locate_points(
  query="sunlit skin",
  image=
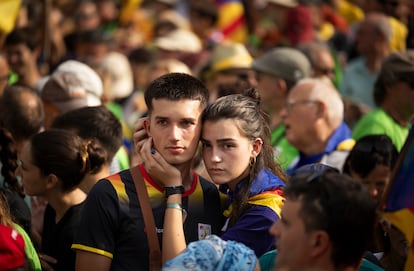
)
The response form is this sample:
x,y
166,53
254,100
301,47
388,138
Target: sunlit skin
x,y
175,129
226,152
375,181
293,242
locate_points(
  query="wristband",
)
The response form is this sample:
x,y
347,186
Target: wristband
x,y
174,205
172,190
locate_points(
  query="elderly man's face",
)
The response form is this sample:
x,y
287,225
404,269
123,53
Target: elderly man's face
x,y
299,116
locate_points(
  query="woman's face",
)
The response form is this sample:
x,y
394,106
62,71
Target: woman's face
x,y
375,181
226,152
34,182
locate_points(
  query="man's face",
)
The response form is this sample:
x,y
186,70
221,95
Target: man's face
x,y
403,95
19,56
293,243
325,65
299,117
269,92
175,128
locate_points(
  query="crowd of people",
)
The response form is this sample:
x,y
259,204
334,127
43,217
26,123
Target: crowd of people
x,y
202,134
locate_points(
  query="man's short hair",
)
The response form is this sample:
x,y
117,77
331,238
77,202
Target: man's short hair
x,y
174,87
93,122
25,35
338,205
327,94
21,112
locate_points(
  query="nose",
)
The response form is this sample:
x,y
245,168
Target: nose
x,y
373,191
275,229
13,57
283,113
215,155
175,133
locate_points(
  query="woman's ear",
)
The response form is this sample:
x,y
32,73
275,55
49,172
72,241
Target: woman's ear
x,y
52,181
257,146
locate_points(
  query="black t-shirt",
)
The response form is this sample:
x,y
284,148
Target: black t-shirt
x,y
112,224
57,239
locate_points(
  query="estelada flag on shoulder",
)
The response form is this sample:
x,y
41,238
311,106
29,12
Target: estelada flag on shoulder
x,y
399,199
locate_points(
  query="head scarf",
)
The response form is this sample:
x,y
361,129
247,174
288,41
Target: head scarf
x,y
212,254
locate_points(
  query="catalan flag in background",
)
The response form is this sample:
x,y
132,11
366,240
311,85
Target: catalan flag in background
x,y
399,202
232,21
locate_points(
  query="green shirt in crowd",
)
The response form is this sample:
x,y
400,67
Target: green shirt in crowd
x,y
285,154
379,122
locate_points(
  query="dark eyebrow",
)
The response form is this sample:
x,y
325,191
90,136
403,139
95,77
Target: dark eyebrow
x,y
221,140
183,119
189,119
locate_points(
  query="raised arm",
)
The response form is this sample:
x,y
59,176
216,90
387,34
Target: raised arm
x,y
173,240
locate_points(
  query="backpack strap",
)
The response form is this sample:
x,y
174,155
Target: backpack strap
x,y
144,201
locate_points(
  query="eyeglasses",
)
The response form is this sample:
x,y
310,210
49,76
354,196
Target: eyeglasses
x,y
290,104
325,71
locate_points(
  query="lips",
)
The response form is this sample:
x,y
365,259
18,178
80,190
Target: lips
x,y
215,170
175,149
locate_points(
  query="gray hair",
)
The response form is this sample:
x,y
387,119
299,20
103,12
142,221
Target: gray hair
x,y
326,93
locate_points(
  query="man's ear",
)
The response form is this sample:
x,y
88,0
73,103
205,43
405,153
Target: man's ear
x,y
147,126
282,86
321,110
320,243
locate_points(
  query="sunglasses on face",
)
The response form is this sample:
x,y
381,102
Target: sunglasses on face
x,y
290,104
